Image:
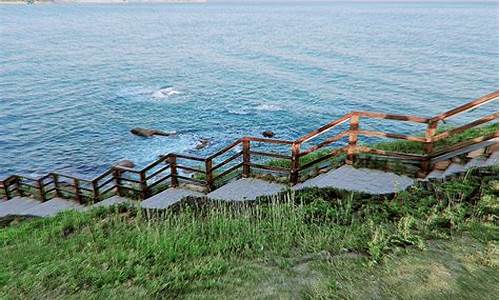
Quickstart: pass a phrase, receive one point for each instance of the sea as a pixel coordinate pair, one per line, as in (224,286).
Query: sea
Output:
(76,78)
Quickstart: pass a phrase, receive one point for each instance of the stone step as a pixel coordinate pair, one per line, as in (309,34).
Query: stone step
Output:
(359,180)
(246,189)
(465,150)
(168,197)
(17,206)
(115,200)
(454,169)
(52,207)
(435,175)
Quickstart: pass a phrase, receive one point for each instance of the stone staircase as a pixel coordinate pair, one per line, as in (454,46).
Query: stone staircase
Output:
(345,177)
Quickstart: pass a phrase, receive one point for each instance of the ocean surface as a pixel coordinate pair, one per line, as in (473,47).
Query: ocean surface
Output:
(74,79)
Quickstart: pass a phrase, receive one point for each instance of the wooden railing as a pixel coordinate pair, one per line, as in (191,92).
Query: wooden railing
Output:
(241,158)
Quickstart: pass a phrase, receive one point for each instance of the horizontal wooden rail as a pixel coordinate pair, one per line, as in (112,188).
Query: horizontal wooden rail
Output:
(463,128)
(391,135)
(466,107)
(405,118)
(225,149)
(271,154)
(323,129)
(118,179)
(400,155)
(226,161)
(326,142)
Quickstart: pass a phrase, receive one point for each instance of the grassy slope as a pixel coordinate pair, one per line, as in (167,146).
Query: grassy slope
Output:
(426,243)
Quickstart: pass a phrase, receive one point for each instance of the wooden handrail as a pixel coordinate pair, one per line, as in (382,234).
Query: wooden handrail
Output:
(355,118)
(466,107)
(323,129)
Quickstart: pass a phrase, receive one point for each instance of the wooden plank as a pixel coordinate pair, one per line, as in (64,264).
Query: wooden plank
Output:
(295,163)
(464,144)
(202,182)
(228,171)
(324,129)
(225,149)
(183,156)
(271,154)
(466,107)
(392,135)
(353,138)
(318,160)
(158,172)
(400,155)
(405,118)
(270,168)
(159,181)
(326,142)
(227,160)
(190,169)
(463,128)
(246,158)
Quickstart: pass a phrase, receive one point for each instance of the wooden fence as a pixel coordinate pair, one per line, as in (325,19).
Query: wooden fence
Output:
(241,158)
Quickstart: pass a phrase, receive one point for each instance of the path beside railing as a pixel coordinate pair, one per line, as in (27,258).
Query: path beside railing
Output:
(241,158)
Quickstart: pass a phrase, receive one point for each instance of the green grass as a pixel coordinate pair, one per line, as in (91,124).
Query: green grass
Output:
(417,148)
(433,243)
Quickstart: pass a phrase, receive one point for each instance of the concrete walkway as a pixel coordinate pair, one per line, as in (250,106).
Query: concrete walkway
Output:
(359,180)
(246,189)
(168,197)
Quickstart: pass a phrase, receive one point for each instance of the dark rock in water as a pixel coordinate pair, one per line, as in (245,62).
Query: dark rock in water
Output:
(268,134)
(125,163)
(202,143)
(150,132)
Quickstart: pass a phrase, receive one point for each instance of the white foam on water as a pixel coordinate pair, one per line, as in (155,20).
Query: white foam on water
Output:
(165,93)
(269,107)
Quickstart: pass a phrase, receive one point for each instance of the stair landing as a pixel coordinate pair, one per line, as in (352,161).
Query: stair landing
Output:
(359,180)
(246,189)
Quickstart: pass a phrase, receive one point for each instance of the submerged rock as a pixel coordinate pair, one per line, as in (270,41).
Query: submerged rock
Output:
(125,163)
(145,132)
(268,134)
(202,143)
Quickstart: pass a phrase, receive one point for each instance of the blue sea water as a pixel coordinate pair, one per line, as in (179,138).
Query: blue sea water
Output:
(74,79)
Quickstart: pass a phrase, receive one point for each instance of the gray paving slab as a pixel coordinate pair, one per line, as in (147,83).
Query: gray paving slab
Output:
(477,162)
(435,175)
(465,150)
(168,197)
(359,180)
(246,189)
(112,201)
(17,206)
(52,207)
(492,160)
(454,169)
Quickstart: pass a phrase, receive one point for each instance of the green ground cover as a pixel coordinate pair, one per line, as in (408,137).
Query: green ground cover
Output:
(433,242)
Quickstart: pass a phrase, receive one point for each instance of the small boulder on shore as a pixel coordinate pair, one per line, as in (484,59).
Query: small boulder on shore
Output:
(202,143)
(145,132)
(125,163)
(268,134)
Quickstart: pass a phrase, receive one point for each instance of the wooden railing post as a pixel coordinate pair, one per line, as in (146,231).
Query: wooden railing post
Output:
(246,158)
(144,185)
(95,191)
(17,182)
(5,185)
(209,174)
(425,166)
(173,170)
(117,174)
(353,138)
(55,178)
(295,164)
(78,195)
(41,190)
